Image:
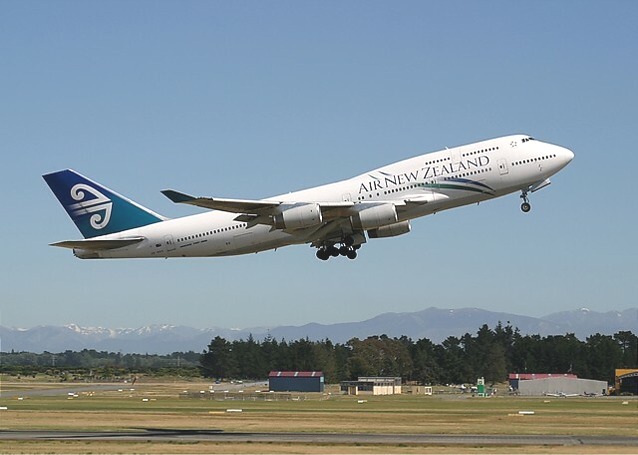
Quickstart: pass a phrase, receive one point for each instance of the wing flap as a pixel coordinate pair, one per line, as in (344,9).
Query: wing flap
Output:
(97,245)
(334,210)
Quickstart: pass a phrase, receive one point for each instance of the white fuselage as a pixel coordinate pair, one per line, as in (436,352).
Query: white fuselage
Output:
(492,168)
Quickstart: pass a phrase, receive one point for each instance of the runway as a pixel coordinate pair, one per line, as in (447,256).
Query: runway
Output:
(324,438)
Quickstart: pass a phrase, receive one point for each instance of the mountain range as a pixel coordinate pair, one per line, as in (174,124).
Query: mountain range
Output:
(435,324)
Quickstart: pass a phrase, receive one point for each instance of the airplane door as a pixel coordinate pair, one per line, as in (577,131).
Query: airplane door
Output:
(502,166)
(455,158)
(346,197)
(169,243)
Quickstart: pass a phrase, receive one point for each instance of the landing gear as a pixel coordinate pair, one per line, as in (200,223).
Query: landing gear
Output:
(322,253)
(525,206)
(347,249)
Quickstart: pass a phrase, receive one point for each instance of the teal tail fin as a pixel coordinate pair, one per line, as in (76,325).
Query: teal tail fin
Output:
(95,209)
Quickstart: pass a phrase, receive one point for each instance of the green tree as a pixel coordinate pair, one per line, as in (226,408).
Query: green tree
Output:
(217,361)
(379,356)
(628,343)
(425,364)
(604,354)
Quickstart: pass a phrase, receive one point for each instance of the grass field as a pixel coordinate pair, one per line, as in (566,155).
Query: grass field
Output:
(166,405)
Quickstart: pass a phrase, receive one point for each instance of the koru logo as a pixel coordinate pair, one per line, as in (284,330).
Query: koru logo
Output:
(100,206)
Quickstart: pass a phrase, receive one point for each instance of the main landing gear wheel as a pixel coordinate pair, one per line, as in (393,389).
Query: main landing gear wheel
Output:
(525,206)
(325,252)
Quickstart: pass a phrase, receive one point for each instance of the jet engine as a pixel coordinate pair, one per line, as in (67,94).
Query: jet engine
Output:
(392,230)
(376,216)
(297,217)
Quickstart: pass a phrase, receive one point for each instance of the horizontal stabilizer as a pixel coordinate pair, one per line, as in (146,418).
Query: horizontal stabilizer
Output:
(226,205)
(97,245)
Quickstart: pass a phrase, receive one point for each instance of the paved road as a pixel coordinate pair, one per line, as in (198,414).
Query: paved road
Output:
(329,438)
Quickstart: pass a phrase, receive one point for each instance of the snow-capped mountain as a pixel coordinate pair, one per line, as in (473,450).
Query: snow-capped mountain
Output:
(435,324)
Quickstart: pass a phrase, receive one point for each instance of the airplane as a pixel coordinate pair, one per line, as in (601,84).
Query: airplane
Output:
(561,395)
(336,218)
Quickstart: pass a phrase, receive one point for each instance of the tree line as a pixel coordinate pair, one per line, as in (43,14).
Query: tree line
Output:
(90,364)
(490,353)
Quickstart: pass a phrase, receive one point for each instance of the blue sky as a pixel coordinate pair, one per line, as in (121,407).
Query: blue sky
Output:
(252,99)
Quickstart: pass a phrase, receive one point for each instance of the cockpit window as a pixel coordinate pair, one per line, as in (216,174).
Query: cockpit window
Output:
(528,139)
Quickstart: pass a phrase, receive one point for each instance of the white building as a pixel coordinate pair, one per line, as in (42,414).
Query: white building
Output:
(561,387)
(372,386)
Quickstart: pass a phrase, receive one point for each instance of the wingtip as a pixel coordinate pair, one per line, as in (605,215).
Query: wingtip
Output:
(176,196)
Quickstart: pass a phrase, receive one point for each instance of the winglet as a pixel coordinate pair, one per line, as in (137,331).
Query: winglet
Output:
(177,197)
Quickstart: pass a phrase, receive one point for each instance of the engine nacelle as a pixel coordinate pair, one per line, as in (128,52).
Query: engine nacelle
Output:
(298,217)
(403,227)
(374,217)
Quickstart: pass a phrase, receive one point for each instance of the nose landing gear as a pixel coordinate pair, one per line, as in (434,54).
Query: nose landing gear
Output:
(525,206)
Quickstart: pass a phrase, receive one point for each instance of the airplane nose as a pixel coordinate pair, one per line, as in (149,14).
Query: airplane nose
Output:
(564,155)
(569,155)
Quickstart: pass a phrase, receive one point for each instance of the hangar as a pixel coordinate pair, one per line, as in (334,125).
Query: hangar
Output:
(296,381)
(626,381)
(516,378)
(562,387)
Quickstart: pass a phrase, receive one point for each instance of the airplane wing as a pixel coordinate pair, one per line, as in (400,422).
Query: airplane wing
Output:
(91,244)
(251,210)
(334,219)
(226,205)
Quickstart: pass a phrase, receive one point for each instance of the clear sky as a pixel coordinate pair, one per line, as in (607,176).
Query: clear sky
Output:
(249,99)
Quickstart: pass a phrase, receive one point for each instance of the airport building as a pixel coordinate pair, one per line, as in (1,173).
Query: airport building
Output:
(372,386)
(626,381)
(562,387)
(516,378)
(296,381)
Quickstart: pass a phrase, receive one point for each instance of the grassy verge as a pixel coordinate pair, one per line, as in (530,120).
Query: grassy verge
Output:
(171,405)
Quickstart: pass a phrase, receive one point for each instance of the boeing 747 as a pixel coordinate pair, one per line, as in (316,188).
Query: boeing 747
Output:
(336,218)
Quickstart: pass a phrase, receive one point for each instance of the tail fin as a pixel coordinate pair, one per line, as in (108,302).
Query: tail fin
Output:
(95,209)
